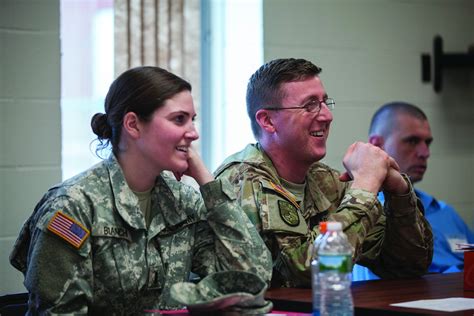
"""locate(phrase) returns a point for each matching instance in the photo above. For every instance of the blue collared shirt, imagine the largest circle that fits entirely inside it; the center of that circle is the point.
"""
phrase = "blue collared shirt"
(449, 229)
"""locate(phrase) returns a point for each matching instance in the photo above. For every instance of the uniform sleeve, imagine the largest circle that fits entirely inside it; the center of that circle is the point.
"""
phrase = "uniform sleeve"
(400, 243)
(292, 247)
(360, 212)
(235, 243)
(58, 275)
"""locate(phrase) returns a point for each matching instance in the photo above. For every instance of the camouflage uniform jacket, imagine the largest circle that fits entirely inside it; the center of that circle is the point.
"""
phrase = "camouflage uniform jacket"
(123, 268)
(391, 243)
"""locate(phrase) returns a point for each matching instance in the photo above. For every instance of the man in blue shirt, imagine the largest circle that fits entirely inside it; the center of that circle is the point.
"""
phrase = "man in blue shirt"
(403, 131)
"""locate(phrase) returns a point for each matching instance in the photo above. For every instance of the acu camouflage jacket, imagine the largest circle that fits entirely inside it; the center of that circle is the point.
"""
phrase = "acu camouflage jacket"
(118, 266)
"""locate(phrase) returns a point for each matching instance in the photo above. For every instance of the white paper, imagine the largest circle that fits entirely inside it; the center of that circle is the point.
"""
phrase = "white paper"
(452, 304)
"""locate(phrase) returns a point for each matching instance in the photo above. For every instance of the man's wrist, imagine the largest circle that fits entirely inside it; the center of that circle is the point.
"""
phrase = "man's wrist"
(406, 188)
(402, 204)
(402, 188)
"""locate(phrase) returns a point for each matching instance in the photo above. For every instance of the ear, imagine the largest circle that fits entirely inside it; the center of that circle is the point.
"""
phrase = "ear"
(376, 140)
(264, 119)
(131, 124)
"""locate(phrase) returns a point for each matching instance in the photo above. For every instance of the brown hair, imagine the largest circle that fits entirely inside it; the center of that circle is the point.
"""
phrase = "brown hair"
(140, 90)
(263, 88)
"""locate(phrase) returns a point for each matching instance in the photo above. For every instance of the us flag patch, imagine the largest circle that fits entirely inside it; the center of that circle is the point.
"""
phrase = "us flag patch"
(68, 229)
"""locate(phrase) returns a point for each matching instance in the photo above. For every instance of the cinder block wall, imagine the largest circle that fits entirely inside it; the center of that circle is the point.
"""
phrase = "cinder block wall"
(370, 54)
(30, 118)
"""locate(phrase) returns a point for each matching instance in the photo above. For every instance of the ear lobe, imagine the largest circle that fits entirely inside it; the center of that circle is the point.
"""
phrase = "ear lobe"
(130, 124)
(376, 140)
(264, 119)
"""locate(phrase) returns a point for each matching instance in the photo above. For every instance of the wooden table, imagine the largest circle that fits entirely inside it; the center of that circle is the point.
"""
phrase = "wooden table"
(375, 297)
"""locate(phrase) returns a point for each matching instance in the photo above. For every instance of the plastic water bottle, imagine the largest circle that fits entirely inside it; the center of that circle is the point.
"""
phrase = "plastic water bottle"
(315, 284)
(335, 265)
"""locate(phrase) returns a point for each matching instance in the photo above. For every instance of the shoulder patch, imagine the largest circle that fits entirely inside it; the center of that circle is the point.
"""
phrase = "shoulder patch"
(68, 229)
(288, 213)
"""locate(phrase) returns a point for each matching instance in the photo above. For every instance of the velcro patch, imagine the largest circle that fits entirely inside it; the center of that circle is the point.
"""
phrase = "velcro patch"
(288, 213)
(68, 229)
(111, 231)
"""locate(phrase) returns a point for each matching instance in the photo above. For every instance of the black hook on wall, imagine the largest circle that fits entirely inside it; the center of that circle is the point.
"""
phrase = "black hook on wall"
(442, 61)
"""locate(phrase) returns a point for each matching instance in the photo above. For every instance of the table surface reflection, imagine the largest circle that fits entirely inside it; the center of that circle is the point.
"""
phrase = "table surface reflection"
(374, 297)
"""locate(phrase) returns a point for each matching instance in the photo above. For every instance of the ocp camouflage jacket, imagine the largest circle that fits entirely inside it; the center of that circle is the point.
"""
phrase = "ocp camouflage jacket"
(394, 240)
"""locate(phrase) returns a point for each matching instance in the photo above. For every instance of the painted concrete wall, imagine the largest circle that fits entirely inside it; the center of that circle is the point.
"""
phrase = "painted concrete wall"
(370, 54)
(30, 118)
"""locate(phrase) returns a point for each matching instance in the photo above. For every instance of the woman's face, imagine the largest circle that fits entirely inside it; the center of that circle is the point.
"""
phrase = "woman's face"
(165, 140)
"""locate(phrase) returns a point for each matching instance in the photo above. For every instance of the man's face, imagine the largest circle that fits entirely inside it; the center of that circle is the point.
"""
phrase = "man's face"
(301, 135)
(409, 144)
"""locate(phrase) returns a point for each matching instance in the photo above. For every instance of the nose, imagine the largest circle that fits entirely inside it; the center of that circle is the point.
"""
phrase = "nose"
(192, 133)
(325, 113)
(423, 150)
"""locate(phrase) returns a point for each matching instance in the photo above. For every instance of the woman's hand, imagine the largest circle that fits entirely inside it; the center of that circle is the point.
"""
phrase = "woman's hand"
(196, 169)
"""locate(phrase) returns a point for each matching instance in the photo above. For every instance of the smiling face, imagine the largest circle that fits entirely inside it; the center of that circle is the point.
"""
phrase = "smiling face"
(300, 135)
(408, 144)
(164, 141)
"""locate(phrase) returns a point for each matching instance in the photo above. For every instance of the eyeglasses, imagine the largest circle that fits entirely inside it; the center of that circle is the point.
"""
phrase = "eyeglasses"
(313, 106)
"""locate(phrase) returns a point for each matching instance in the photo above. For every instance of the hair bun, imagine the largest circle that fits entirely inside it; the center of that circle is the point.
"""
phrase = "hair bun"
(100, 127)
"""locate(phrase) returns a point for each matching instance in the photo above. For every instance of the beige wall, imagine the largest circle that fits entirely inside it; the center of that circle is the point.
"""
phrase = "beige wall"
(370, 54)
(30, 117)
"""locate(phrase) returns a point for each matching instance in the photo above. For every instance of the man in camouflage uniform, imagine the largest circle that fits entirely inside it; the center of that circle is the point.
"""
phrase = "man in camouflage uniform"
(122, 267)
(286, 192)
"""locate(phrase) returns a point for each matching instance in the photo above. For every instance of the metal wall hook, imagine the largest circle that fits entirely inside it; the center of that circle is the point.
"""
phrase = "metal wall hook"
(442, 61)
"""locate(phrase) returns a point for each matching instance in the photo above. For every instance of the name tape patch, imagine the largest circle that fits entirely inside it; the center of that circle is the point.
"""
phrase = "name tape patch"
(112, 231)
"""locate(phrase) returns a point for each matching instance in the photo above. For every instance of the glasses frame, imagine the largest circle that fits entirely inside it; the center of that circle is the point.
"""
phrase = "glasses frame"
(329, 102)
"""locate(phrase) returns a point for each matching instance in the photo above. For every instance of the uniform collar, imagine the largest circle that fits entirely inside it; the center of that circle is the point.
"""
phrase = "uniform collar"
(315, 200)
(127, 205)
(170, 214)
(252, 155)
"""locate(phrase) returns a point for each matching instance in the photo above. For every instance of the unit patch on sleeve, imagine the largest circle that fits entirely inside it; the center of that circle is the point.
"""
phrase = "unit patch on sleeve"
(68, 229)
(288, 213)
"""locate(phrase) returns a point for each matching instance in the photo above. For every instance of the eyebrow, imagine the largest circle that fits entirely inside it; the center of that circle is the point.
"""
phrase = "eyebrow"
(417, 138)
(180, 112)
(314, 97)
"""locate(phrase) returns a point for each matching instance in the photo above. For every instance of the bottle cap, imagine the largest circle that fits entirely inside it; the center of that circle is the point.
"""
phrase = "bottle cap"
(323, 227)
(334, 226)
